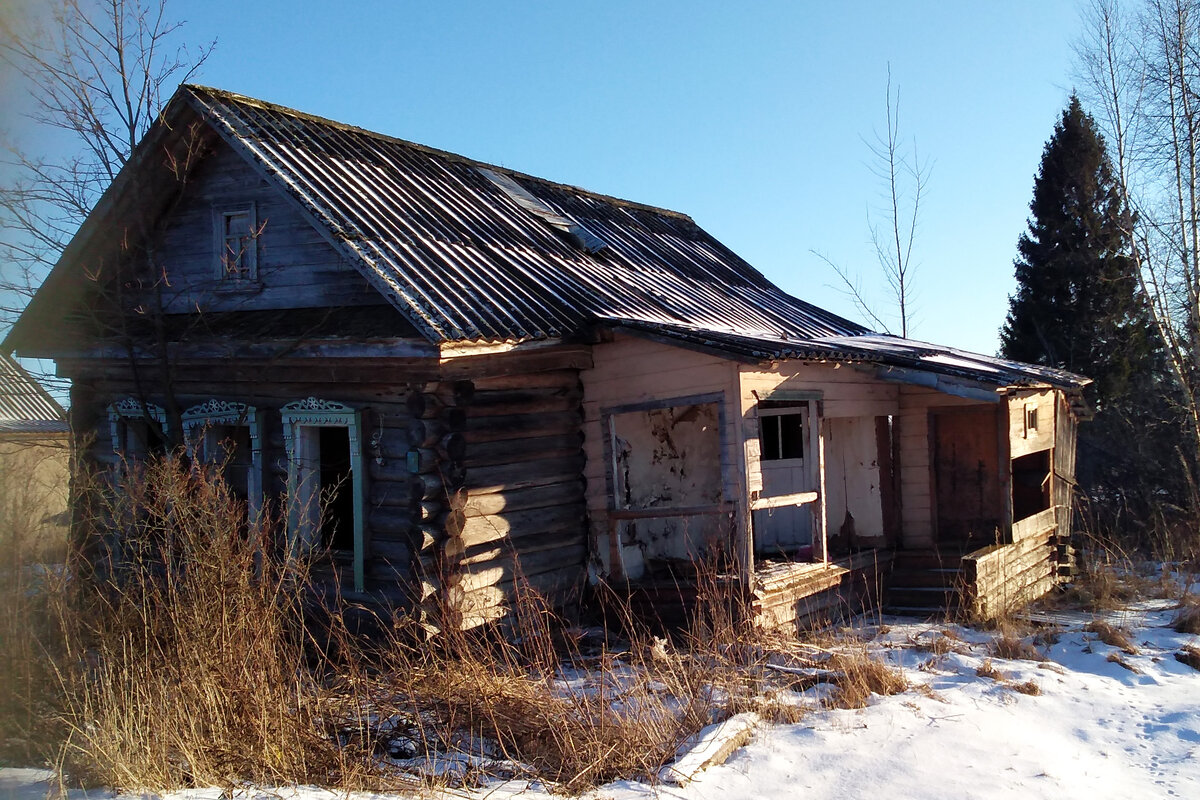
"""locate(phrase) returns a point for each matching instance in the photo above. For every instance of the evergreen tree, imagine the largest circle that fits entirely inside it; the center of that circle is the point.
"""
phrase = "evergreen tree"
(1077, 307)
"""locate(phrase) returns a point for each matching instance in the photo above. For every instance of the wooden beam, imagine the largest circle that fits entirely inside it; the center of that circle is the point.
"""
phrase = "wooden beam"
(784, 501)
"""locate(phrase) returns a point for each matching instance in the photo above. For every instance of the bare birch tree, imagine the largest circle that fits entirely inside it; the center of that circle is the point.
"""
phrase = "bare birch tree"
(1143, 70)
(903, 176)
(97, 72)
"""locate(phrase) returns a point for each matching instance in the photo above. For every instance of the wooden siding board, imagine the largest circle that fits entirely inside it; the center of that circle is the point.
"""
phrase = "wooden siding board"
(297, 268)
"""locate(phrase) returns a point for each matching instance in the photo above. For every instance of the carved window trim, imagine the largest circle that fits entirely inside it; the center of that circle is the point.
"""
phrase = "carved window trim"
(130, 409)
(314, 412)
(204, 416)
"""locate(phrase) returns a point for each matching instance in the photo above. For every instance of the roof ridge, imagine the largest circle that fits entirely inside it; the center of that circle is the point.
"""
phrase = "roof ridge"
(266, 105)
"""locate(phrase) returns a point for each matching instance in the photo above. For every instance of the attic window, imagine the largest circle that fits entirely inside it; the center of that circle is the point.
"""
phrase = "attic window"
(581, 236)
(236, 242)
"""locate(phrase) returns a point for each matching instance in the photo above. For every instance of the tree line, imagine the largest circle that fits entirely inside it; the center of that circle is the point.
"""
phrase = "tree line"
(1108, 273)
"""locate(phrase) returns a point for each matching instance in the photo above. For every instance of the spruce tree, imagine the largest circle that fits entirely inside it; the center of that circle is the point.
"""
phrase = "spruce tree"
(1077, 307)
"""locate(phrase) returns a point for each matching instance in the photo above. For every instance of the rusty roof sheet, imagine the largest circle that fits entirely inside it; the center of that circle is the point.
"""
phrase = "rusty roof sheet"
(24, 405)
(469, 259)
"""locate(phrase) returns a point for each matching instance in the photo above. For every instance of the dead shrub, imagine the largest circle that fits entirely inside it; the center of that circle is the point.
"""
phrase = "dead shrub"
(1029, 687)
(190, 663)
(1189, 655)
(863, 674)
(1014, 648)
(1112, 636)
(1188, 618)
(988, 670)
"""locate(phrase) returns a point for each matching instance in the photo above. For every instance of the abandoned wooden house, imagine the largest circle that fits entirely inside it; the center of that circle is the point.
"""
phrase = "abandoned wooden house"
(490, 377)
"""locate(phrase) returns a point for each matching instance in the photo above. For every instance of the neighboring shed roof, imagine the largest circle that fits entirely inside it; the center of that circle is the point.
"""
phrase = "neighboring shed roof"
(25, 407)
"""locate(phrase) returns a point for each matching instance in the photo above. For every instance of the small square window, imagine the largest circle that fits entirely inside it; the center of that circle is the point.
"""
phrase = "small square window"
(782, 436)
(236, 242)
(1031, 420)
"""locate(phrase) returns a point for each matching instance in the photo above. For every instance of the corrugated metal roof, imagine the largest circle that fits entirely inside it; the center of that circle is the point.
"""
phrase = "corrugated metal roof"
(469, 260)
(469, 251)
(888, 351)
(25, 407)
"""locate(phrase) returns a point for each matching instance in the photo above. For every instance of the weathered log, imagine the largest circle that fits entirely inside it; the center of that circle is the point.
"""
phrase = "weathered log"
(425, 432)
(517, 426)
(452, 447)
(441, 486)
(554, 494)
(567, 378)
(423, 405)
(393, 494)
(528, 404)
(563, 536)
(422, 460)
(520, 476)
(391, 523)
(514, 524)
(529, 448)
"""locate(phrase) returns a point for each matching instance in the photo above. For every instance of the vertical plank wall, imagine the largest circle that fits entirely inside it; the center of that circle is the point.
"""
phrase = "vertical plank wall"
(854, 398)
(916, 471)
(631, 370)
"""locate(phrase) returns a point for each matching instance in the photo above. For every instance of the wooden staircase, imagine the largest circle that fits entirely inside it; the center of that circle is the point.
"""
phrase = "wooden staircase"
(924, 583)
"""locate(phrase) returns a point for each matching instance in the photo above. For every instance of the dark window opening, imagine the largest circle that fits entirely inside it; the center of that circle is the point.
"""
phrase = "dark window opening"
(1030, 484)
(337, 493)
(782, 436)
(229, 447)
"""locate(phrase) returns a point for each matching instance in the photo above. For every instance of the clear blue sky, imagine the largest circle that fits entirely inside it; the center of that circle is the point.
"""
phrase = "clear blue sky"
(748, 116)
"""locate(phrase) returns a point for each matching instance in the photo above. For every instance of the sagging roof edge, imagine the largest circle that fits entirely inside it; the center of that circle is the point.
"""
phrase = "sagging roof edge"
(959, 381)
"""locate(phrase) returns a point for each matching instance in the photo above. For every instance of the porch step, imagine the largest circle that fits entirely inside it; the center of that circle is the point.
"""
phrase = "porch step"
(924, 583)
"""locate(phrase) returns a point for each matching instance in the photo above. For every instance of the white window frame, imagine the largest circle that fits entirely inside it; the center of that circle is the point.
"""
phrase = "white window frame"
(205, 419)
(801, 409)
(301, 421)
(221, 241)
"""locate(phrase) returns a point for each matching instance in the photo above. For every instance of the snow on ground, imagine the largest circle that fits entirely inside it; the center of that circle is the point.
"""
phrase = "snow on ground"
(1097, 730)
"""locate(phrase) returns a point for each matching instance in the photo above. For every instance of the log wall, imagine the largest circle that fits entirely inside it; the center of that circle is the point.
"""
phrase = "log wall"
(1003, 577)
(389, 516)
(473, 487)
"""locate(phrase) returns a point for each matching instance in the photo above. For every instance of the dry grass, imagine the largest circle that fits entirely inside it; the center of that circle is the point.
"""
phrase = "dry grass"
(183, 656)
(189, 658)
(1027, 687)
(863, 674)
(1189, 655)
(1188, 618)
(988, 670)
(1013, 647)
(1112, 636)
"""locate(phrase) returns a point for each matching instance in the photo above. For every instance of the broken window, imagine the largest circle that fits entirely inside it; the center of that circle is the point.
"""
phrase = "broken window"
(237, 244)
(137, 429)
(1030, 484)
(229, 436)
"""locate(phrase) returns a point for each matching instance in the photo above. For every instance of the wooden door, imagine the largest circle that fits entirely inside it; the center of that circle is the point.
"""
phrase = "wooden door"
(966, 463)
(785, 463)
